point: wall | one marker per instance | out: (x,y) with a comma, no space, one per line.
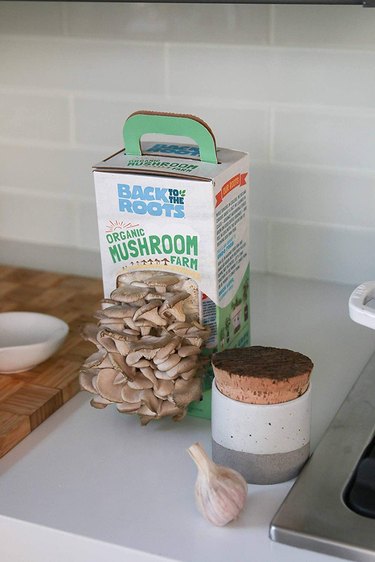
(292,85)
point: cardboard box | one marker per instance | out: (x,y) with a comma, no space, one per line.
(166,210)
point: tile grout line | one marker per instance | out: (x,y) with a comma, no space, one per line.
(86,148)
(223,102)
(72,121)
(77,229)
(64,19)
(268,245)
(13,37)
(167,63)
(271,36)
(271,131)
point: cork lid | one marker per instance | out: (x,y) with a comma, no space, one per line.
(262,375)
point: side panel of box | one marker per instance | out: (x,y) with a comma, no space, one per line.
(232,311)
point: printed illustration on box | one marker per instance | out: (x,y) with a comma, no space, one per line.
(173,228)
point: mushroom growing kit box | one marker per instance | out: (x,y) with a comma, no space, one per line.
(173,224)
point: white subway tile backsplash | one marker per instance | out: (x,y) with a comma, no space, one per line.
(99,122)
(312,194)
(203,23)
(36,218)
(342,140)
(63,259)
(273,75)
(331,26)
(71,64)
(240,128)
(258,243)
(322,252)
(31,18)
(27,116)
(216,72)
(292,85)
(48,170)
(88,237)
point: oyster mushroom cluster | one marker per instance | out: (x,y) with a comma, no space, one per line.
(148,343)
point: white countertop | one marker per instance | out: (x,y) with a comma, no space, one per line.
(89,484)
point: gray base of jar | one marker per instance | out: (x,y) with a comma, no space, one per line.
(262,469)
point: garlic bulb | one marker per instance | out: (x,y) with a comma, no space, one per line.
(220,492)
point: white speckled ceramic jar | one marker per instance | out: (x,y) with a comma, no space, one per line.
(266,443)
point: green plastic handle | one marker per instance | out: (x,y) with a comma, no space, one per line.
(140,123)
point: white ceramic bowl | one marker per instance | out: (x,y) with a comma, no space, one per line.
(28,338)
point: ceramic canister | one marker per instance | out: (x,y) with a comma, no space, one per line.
(266,443)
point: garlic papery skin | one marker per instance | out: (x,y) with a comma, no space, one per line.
(220,492)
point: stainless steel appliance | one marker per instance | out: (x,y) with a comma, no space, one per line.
(331,507)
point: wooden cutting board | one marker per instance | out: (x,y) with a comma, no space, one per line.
(28,398)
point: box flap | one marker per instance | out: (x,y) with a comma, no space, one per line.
(165,159)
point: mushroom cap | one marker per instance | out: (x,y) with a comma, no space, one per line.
(188,375)
(120,378)
(144,323)
(165,375)
(115,341)
(176,311)
(138,283)
(146,307)
(168,362)
(85,380)
(131,395)
(148,372)
(166,350)
(96,359)
(118,362)
(128,407)
(149,312)
(169,409)
(187,350)
(154,316)
(146,419)
(192,340)
(140,382)
(162,280)
(108,302)
(127,277)
(185,391)
(152,402)
(104,319)
(129,293)
(170,299)
(151,342)
(135,357)
(141,364)
(146,411)
(105,341)
(163,388)
(119,311)
(90,332)
(153,295)
(179,328)
(123,335)
(130,332)
(198,331)
(99,402)
(185,365)
(106,387)
(129,322)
